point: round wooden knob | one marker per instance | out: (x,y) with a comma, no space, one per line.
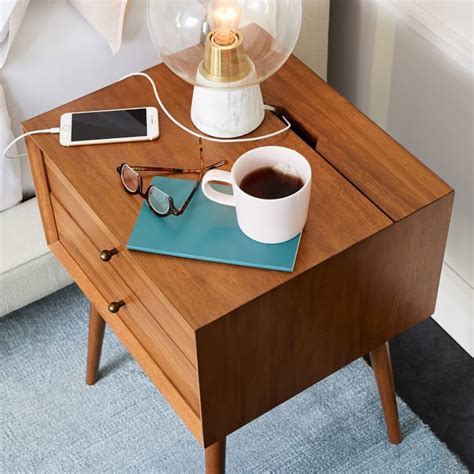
(115,306)
(106,255)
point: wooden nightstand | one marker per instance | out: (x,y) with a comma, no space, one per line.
(225,344)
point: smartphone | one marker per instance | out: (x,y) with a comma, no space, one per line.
(109,126)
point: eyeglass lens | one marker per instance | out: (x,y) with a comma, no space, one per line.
(130,179)
(158,200)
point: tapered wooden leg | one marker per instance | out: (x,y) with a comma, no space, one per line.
(94,345)
(215,458)
(382,365)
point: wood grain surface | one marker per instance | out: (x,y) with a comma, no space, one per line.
(382,365)
(134,314)
(215,458)
(165,314)
(94,345)
(41,183)
(133,345)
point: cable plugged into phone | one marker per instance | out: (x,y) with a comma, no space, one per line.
(170,116)
(27,134)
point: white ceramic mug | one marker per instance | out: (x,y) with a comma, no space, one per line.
(270,221)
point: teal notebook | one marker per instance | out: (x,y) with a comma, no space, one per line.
(206,231)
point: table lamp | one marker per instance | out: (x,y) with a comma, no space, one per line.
(225,48)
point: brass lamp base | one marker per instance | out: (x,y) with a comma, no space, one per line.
(224,62)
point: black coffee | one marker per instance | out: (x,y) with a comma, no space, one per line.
(268,183)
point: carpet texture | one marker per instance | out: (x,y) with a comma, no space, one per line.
(52,422)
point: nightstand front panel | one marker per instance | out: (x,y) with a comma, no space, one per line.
(124,264)
(134,315)
(133,345)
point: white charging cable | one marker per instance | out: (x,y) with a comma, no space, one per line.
(207,137)
(168,114)
(17,139)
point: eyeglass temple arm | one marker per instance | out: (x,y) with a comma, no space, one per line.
(217,164)
(179,170)
(198,183)
(188,200)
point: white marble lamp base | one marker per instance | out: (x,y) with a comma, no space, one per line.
(224,110)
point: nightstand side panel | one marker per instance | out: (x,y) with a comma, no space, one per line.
(294,336)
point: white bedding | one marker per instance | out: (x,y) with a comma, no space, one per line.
(11,16)
(106,17)
(10,170)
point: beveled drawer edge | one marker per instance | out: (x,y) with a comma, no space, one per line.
(40,178)
(139,353)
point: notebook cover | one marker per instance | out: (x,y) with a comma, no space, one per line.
(206,231)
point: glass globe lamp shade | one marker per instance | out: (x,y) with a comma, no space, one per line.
(232,43)
(225,48)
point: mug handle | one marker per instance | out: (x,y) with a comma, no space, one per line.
(211,193)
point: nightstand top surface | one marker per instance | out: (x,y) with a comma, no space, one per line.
(355,194)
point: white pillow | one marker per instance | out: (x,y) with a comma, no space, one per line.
(106,17)
(10,170)
(11,16)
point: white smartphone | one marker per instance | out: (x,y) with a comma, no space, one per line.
(109,126)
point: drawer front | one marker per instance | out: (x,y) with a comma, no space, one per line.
(124,264)
(134,315)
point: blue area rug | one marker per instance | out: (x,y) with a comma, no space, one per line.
(52,422)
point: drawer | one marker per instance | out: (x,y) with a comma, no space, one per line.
(134,314)
(124,264)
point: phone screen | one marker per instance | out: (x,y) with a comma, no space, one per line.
(108,124)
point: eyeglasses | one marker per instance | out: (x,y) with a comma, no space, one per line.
(158,201)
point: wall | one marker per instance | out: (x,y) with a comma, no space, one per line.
(411,71)
(312,47)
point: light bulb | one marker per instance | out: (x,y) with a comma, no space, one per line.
(224,18)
